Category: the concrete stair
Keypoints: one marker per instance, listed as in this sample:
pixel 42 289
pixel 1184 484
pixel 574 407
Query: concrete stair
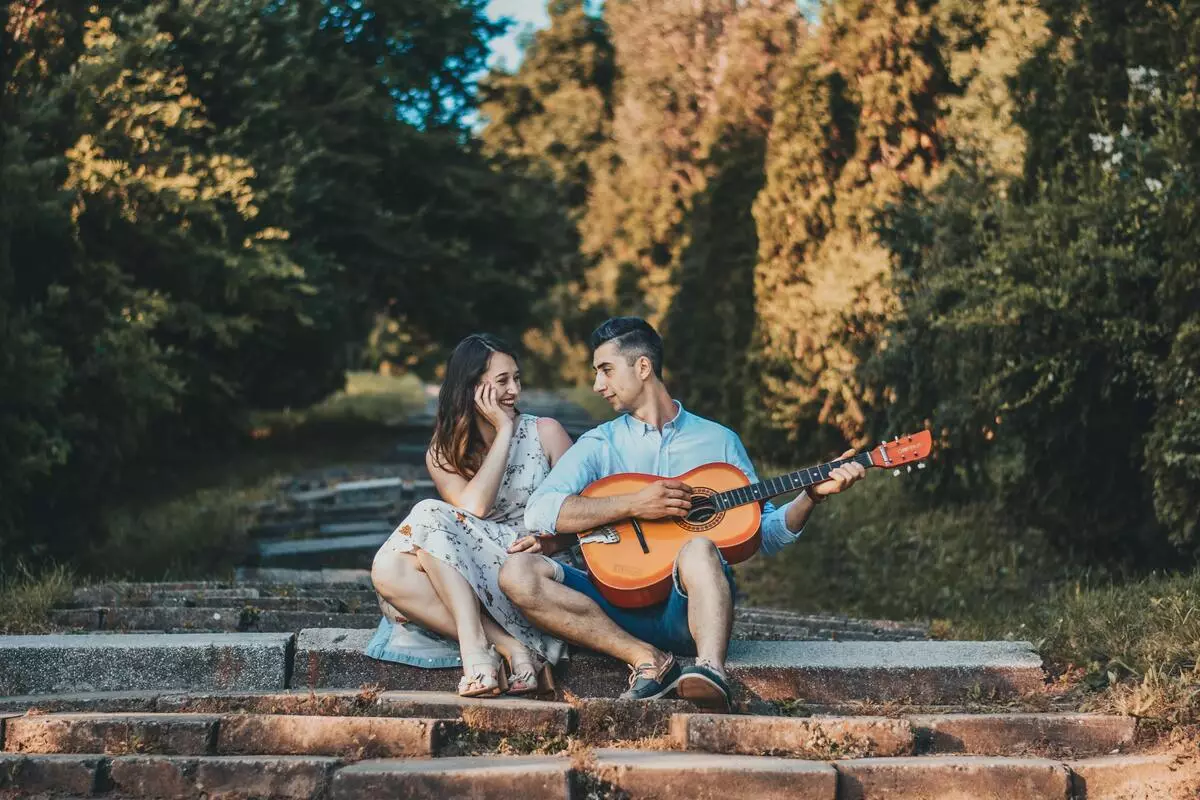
pixel 412 744
pixel 267 694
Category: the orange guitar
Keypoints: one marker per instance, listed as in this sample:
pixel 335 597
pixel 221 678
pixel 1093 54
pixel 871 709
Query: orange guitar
pixel 630 562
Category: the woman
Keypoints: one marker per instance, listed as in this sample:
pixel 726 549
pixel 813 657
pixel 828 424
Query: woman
pixel 443 561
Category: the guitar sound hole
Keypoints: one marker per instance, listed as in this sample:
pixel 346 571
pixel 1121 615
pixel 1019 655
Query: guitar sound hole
pixel 702 511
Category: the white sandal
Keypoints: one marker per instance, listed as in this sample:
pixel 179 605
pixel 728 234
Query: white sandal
pixel 482 674
pixel 530 673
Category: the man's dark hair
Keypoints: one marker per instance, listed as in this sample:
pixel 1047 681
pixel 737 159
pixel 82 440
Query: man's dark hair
pixel 634 337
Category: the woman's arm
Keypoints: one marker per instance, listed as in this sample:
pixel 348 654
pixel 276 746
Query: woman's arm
pixel 553 437
pixel 555 441
pixel 478 495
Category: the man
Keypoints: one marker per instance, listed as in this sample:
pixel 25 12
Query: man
pixel 657 436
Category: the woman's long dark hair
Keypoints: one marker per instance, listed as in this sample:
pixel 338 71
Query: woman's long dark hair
pixel 457 445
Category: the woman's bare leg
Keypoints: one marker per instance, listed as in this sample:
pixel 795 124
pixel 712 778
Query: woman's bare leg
pixel 401 580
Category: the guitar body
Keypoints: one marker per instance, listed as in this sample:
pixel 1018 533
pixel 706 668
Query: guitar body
pixel 629 577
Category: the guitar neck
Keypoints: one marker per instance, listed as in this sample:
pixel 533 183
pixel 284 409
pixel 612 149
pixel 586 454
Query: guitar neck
pixel 781 484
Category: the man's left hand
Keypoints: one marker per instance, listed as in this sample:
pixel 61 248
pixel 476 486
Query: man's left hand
pixel 841 478
pixel 546 545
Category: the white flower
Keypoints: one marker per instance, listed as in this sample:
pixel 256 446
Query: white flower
pixel 1141 77
pixel 1100 142
pixel 1154 184
pixel 1116 158
pixel 1125 131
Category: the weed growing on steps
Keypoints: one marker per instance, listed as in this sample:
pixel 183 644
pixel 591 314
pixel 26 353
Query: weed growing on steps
pixel 26 597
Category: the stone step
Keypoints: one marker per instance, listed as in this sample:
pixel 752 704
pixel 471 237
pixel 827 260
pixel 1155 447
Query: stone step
pixel 338 551
pixel 276 614
pixel 1052 734
pixel 297 579
pixel 601 773
pixel 112 662
pixel 213 619
pixel 818 672
pixel 346 599
pixel 190 777
pixel 236 734
pixel 952 778
pixel 502 715
pixel 1136 777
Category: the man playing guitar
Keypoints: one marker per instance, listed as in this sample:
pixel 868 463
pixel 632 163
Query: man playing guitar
pixel 655 435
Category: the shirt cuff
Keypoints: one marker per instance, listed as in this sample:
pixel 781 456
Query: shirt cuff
pixel 775 533
pixel 541 515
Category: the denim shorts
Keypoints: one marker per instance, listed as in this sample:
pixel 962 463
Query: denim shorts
pixel 664 625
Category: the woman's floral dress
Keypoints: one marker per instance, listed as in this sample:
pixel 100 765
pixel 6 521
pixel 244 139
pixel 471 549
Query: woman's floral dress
pixel 477 547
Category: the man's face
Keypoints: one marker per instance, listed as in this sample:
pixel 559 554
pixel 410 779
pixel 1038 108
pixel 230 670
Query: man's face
pixel 618 381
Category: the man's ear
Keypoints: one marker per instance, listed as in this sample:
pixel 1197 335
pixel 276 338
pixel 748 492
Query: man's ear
pixel 644 368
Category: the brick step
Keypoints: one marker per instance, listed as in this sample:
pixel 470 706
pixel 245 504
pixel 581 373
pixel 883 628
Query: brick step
pixel 233 734
pixel 354 550
pixel 1022 734
pixel 601 720
pixel 600 774
pixel 817 672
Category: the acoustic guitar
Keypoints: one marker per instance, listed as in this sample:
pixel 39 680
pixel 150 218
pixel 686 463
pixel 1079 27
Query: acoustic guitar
pixel 631 562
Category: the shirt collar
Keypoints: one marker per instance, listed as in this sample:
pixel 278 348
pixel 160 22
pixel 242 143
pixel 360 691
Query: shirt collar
pixel 675 422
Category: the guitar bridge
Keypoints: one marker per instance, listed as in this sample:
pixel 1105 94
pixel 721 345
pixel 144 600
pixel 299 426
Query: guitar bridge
pixel 601 536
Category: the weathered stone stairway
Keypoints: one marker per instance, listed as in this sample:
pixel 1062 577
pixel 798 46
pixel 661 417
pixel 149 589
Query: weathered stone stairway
pixel 273 707
pixel 257 688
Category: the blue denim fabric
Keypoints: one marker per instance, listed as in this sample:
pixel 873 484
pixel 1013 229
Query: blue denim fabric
pixel 665 625
pixel 421 648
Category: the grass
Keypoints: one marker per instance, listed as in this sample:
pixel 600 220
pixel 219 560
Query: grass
pixel 26 597
pixel 1131 645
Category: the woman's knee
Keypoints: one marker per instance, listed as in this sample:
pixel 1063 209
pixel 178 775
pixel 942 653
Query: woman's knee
pixel 430 509
pixel 392 569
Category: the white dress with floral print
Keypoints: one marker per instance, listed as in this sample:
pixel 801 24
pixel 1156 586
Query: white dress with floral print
pixel 477 547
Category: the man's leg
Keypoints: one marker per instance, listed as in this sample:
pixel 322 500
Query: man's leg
pixel 529 581
pixel 710 605
pixel 702 578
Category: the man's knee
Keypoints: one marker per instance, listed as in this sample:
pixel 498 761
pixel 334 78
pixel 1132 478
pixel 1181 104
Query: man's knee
pixel 521 577
pixel 699 562
pixel 699 551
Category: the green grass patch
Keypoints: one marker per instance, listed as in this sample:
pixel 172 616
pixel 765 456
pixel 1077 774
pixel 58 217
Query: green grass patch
pixel 26 596
pixel 1131 643
pixel 874 552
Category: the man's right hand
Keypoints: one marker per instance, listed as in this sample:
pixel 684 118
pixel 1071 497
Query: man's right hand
pixel 662 499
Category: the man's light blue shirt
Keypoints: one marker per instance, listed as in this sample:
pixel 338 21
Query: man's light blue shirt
pixel 626 444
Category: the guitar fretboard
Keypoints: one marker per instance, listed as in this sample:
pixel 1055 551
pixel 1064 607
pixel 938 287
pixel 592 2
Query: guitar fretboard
pixel 800 479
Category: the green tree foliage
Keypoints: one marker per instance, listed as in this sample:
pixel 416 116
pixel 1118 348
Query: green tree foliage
pixel 550 121
pixel 1049 328
pixel 205 205
pixel 709 324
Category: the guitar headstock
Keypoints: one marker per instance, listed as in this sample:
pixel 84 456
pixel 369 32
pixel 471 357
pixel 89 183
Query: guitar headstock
pixel 903 450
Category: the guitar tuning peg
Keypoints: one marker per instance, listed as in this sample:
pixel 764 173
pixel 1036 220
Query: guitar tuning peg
pixel 883 443
pixel 896 473
pixel 910 467
pixel 920 465
pixel 897 437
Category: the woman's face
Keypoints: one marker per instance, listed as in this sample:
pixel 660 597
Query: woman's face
pixel 503 373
